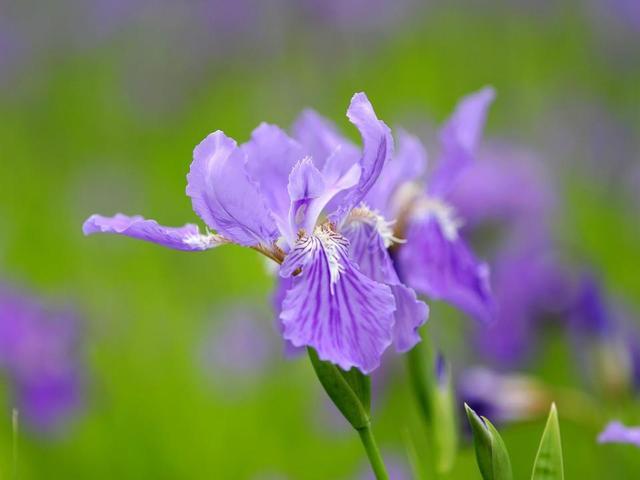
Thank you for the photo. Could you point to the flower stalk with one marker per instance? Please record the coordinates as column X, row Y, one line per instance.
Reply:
column 350, row 391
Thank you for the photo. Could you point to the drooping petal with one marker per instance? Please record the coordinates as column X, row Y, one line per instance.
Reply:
column 616, row 432
column 408, row 163
column 377, row 148
column 270, row 156
column 443, row 267
column 186, row 238
column 344, row 315
column 367, row 248
column 459, row 138
column 225, row 197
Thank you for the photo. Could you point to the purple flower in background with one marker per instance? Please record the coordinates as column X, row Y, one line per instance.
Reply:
column 508, row 187
column 616, row 432
column 435, row 259
column 38, row 353
column 529, row 285
column 502, row 397
column 607, row 346
column 238, row 345
column 300, row 203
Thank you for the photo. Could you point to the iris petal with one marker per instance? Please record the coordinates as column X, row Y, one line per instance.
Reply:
column 225, row 197
column 186, row 238
column 444, row 268
column 368, row 250
column 460, row 137
column 344, row 315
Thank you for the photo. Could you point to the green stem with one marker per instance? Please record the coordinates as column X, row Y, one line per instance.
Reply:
column 375, row 459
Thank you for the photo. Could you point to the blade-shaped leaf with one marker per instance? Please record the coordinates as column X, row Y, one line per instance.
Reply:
column 548, row 464
column 350, row 391
column 491, row 453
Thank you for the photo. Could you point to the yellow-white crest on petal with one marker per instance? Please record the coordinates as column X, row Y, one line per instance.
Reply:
column 384, row 227
column 443, row 212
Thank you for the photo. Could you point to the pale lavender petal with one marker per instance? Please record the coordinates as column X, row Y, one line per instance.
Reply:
column 270, row 156
column 321, row 140
column 225, row 197
column 408, row 163
column 186, row 238
column 345, row 316
column 377, row 148
column 306, row 189
column 367, row 248
column 459, row 138
column 616, row 432
column 444, row 268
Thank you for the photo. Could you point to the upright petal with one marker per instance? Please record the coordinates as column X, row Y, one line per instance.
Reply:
column 224, row 196
column 310, row 191
column 443, row 267
column 366, row 233
column 321, row 139
column 270, row 156
column 408, row 163
column 344, row 315
column 459, row 138
column 377, row 148
column 186, row 238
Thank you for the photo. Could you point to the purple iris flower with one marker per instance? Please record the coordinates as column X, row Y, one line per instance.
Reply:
column 616, row 432
column 300, row 202
column 38, row 353
column 435, row 259
column 606, row 344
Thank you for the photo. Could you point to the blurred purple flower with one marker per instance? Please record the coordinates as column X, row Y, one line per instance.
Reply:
column 529, row 285
column 607, row 347
column 299, row 202
column 508, row 187
column 616, row 432
column 502, row 398
column 238, row 344
column 38, row 353
column 350, row 15
column 435, row 259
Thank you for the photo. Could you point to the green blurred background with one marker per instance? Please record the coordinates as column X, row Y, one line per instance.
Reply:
column 100, row 113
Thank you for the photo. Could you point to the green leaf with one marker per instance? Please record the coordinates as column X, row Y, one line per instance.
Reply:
column 350, row 391
column 548, row 464
column 491, row 453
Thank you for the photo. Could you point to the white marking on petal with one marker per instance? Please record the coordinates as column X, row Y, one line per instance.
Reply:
column 363, row 214
column 335, row 247
column 444, row 213
column 204, row 242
